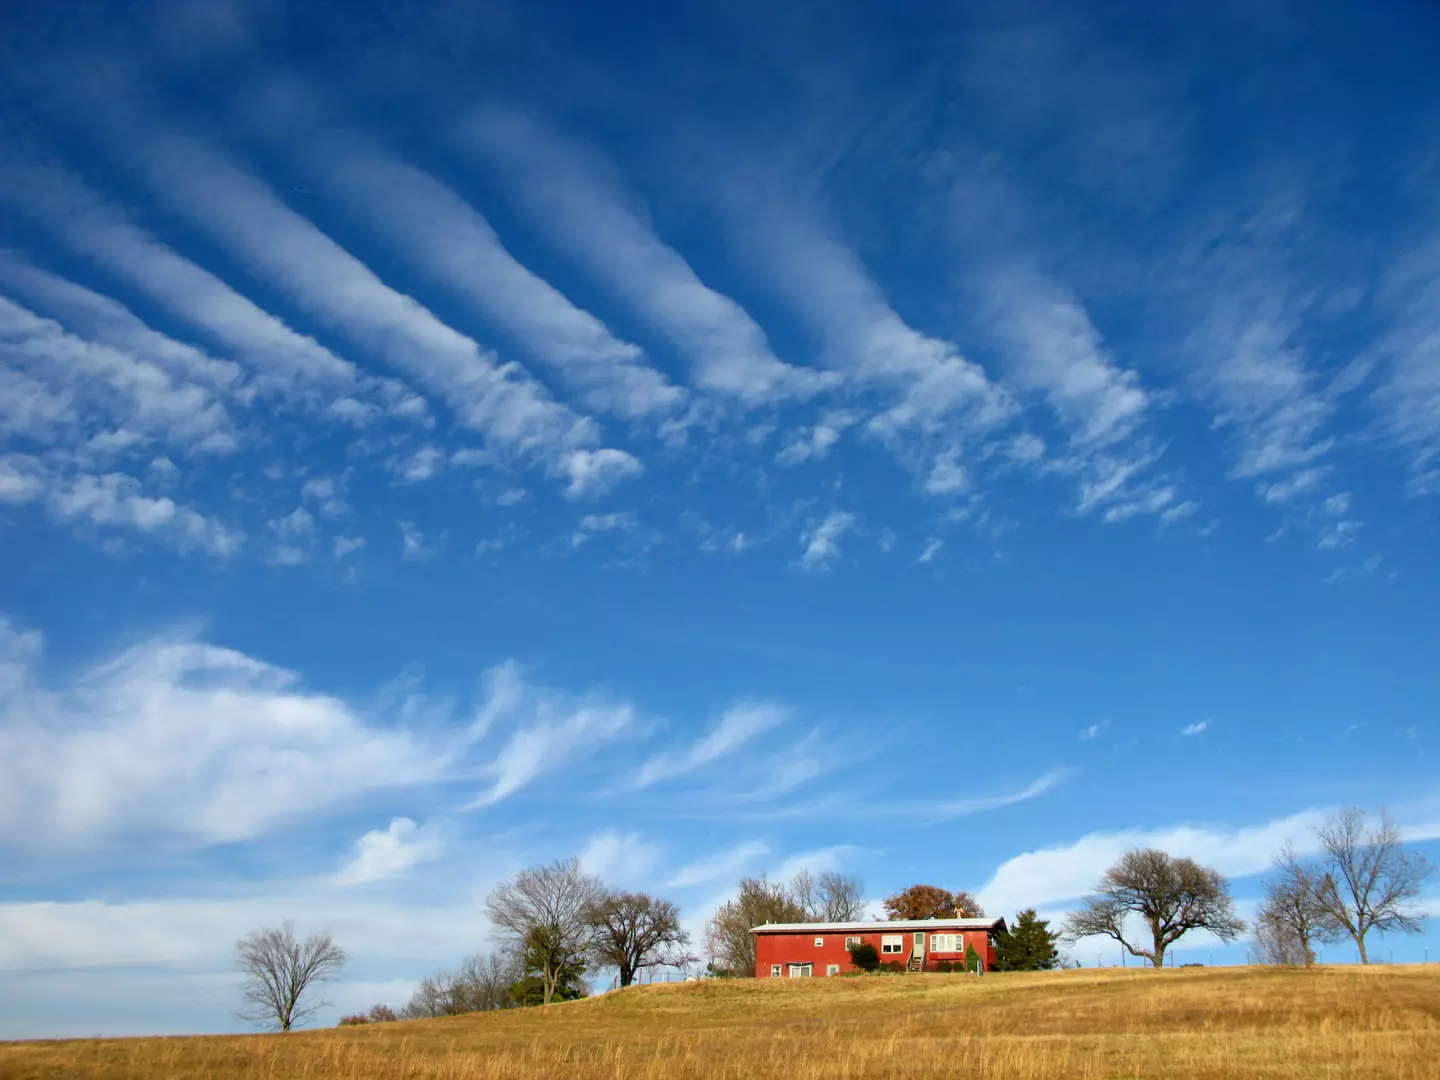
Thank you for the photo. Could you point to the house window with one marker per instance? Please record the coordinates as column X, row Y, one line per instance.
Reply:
column 801, row 971
column 947, row 942
column 852, row 943
column 832, row 969
column 774, row 971
column 819, row 941
column 892, row 943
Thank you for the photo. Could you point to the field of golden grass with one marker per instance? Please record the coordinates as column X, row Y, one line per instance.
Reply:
column 1231, row 1023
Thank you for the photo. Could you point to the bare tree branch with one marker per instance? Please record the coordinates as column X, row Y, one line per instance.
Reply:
column 545, row 912
column 1370, row 881
column 634, row 931
column 1170, row 896
column 278, row 971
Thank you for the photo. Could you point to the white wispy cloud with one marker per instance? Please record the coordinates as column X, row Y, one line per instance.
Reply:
column 453, row 244
column 936, row 393
column 514, row 411
column 390, row 852
column 573, row 197
column 1407, row 400
column 1066, row 872
column 814, row 443
column 279, row 356
column 116, row 751
column 1093, row 730
column 932, row 548
column 64, row 389
column 1196, row 728
column 822, row 541
column 738, row 726
column 623, row 859
column 723, row 865
column 113, row 501
column 413, row 545
column 1055, row 351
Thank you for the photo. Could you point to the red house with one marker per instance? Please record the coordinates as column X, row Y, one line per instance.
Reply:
column 800, row 950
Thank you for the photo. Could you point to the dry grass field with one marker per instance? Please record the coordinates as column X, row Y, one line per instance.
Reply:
column 1183, row 1025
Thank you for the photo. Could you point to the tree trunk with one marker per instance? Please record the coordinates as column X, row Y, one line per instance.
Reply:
column 547, row 984
column 1360, row 944
column 627, row 975
column 1158, row 960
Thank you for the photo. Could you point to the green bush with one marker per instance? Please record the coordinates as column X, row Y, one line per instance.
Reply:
column 864, row 957
column 944, row 966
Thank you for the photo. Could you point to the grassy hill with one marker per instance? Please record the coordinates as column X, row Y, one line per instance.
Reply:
column 1209, row 1023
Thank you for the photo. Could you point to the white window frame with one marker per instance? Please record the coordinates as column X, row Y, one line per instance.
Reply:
column 819, row 942
column 853, row 943
column 832, row 969
column 775, row 970
column 890, row 944
column 801, row 971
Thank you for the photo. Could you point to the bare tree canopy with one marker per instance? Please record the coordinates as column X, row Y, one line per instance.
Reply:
column 634, row 931
column 831, row 897
column 728, row 938
column 279, row 969
column 1370, row 881
column 1170, row 896
column 932, row 902
column 481, row 984
column 545, row 912
column 1294, row 917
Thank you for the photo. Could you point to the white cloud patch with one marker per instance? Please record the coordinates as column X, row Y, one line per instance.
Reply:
column 821, row 542
column 553, row 729
column 723, row 865
column 516, row 413
column 1196, row 728
column 932, row 549
column 622, row 859
column 120, row 749
column 592, row 473
column 814, row 443
column 740, row 724
column 413, row 545
column 114, row 501
column 389, row 853
column 452, row 243
column 572, row 196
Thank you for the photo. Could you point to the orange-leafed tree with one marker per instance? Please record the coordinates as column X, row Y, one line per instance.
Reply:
column 931, row 902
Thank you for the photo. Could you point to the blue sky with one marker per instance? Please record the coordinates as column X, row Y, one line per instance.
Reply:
column 946, row 447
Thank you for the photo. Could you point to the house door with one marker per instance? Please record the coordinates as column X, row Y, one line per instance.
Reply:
column 919, row 943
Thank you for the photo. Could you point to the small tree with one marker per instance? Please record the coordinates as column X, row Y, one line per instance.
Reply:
column 535, row 987
column 546, row 913
column 1170, row 896
column 967, row 907
column 1294, row 916
column 972, row 958
column 1027, row 945
column 831, row 897
column 931, row 902
column 1370, row 882
column 634, row 931
column 728, row 937
column 279, row 970
column 864, row 956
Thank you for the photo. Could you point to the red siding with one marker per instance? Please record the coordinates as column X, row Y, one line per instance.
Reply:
column 791, row 947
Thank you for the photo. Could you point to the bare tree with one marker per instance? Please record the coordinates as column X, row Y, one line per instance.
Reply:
column 831, row 897
column 1170, row 896
column 279, row 969
column 728, row 938
column 481, row 984
column 1294, row 916
column 634, row 931
column 545, row 912
column 1370, row 880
